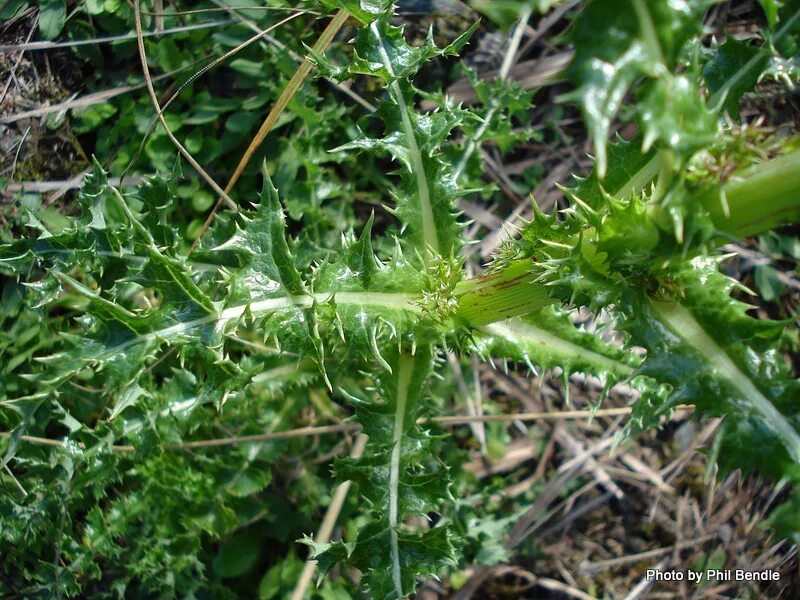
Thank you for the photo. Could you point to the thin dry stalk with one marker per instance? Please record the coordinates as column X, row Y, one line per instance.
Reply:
column 59, row 185
column 328, row 522
column 220, row 59
column 644, row 584
column 472, row 406
column 342, row 427
column 197, row 11
column 342, row 87
column 14, row 68
column 558, row 586
column 15, row 480
column 89, row 99
column 185, row 153
column 113, row 38
column 604, row 565
column 575, row 448
column 280, row 105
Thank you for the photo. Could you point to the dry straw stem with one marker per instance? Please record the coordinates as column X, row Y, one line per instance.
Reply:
column 185, row 153
column 226, row 8
column 57, row 185
column 280, row 105
column 342, row 87
column 14, row 68
column 328, row 522
column 113, row 38
column 453, row 420
column 259, row 34
column 592, row 568
column 89, row 99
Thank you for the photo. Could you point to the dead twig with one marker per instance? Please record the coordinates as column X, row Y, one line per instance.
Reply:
column 342, row 87
column 341, row 427
column 644, row 584
column 604, row 565
column 62, row 184
column 575, row 448
column 220, row 59
column 472, row 406
column 15, row 480
column 89, row 99
column 16, row 154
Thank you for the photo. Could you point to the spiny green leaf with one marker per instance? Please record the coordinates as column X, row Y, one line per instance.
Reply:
column 92, row 195
column 704, row 345
column 425, row 201
column 629, row 170
column 381, row 50
column 260, row 243
column 733, row 70
column 398, row 477
column 672, row 111
column 616, row 43
column 548, row 339
column 784, row 44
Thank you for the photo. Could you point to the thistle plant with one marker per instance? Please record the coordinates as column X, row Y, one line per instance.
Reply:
column 156, row 336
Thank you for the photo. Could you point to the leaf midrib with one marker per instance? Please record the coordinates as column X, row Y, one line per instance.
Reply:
column 395, row 301
column 518, row 332
column 404, row 371
column 429, row 233
column 684, row 324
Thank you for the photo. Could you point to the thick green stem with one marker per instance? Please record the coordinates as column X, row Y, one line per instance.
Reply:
column 502, row 295
column 762, row 198
column 757, row 200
